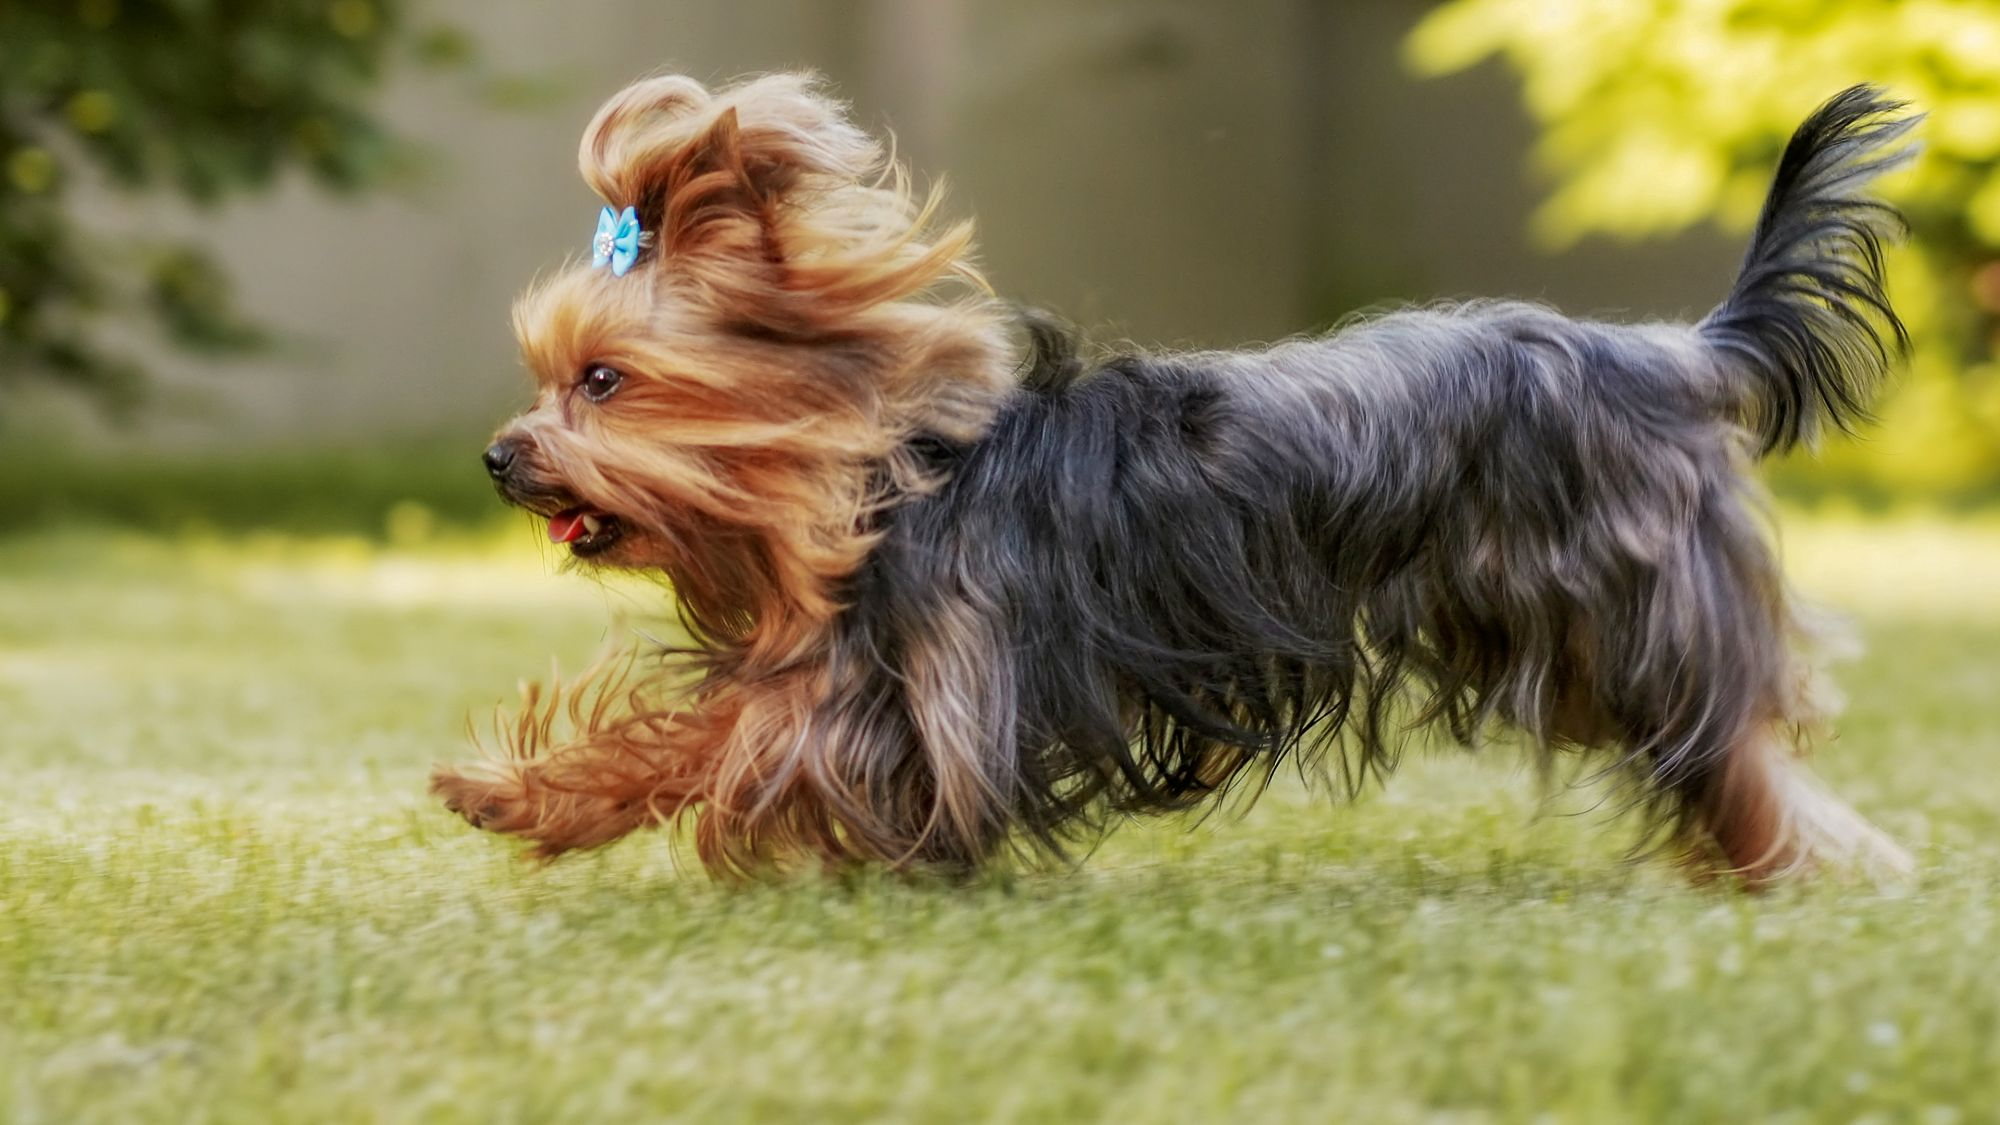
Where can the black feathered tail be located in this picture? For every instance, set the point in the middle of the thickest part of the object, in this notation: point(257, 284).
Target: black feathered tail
point(1809, 319)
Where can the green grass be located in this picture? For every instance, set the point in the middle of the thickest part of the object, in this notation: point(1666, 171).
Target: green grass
point(224, 897)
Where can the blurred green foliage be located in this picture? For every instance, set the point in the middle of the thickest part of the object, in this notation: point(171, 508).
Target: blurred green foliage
point(1659, 114)
point(201, 98)
point(368, 491)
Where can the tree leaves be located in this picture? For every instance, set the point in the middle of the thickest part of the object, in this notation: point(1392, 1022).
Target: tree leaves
point(205, 99)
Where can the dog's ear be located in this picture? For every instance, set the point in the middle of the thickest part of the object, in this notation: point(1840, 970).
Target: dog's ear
point(767, 198)
point(707, 171)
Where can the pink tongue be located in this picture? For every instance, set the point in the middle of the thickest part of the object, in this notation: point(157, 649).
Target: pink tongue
point(566, 526)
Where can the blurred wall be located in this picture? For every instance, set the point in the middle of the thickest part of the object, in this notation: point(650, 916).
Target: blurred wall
point(1162, 171)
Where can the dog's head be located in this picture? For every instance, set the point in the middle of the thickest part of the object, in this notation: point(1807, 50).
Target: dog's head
point(720, 403)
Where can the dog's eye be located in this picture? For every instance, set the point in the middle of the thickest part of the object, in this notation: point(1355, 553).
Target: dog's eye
point(600, 382)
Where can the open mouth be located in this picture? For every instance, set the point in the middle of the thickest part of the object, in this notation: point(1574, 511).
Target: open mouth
point(587, 532)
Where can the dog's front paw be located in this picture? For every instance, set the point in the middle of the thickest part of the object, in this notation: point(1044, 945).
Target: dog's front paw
point(489, 795)
point(556, 810)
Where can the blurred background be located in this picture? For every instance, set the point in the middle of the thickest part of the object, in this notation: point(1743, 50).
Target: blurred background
point(256, 258)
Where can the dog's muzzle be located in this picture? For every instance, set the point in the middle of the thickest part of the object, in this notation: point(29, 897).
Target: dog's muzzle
point(500, 457)
point(510, 461)
point(586, 531)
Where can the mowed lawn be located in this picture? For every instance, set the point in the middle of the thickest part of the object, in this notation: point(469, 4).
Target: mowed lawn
point(224, 896)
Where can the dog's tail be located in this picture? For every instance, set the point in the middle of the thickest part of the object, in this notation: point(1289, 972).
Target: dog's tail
point(1809, 322)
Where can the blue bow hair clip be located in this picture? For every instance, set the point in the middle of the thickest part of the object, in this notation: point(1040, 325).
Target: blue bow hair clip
point(618, 240)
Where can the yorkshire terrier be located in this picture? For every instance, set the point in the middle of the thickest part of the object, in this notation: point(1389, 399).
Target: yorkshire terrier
point(955, 593)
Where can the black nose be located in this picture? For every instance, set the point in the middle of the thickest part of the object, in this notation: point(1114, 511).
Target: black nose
point(499, 457)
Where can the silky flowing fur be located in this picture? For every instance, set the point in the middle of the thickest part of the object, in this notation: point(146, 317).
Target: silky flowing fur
point(955, 596)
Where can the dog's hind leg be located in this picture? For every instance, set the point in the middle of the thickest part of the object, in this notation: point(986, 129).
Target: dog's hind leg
point(1764, 809)
point(1704, 676)
point(1770, 817)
